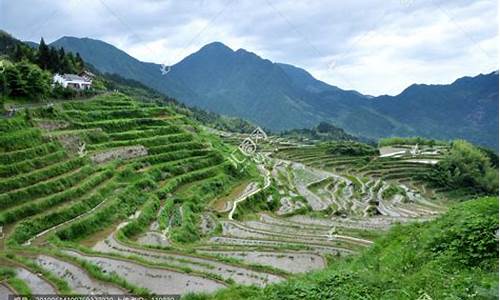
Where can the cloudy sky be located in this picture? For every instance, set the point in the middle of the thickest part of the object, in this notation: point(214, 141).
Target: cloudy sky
point(373, 46)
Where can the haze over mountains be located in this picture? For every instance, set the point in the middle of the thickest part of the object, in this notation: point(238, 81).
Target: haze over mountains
point(280, 96)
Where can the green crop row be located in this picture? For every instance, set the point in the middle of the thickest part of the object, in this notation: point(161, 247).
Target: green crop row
point(21, 139)
point(25, 180)
point(177, 181)
point(120, 124)
point(43, 188)
point(183, 166)
point(173, 147)
point(147, 216)
point(29, 228)
point(28, 154)
point(40, 205)
point(136, 134)
point(171, 156)
point(150, 141)
point(8, 125)
point(92, 104)
point(91, 116)
point(120, 206)
point(31, 164)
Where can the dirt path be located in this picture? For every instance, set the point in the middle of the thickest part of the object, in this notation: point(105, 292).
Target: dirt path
point(252, 189)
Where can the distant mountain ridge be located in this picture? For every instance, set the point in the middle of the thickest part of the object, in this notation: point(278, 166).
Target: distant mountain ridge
point(281, 96)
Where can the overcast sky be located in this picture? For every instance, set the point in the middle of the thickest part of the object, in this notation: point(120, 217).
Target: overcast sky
point(373, 46)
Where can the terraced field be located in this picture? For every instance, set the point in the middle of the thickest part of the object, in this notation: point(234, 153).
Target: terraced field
point(110, 196)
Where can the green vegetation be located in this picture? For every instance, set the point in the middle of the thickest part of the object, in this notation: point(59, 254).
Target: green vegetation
point(25, 80)
point(393, 190)
point(410, 141)
point(27, 73)
point(350, 148)
point(149, 172)
point(19, 286)
point(323, 132)
point(466, 167)
point(453, 257)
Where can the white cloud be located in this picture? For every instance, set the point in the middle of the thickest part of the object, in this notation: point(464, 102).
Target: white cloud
point(376, 47)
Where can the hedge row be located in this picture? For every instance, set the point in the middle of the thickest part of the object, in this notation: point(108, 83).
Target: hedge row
point(21, 139)
point(171, 156)
point(31, 227)
point(121, 206)
point(40, 205)
point(28, 154)
point(54, 170)
point(151, 141)
point(31, 164)
point(120, 125)
point(173, 147)
point(44, 188)
point(96, 115)
point(136, 134)
point(7, 125)
point(177, 181)
point(147, 216)
point(186, 165)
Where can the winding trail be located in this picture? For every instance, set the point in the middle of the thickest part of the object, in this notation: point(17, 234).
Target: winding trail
point(253, 190)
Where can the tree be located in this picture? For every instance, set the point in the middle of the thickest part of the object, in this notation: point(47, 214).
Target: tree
point(466, 166)
point(24, 79)
point(54, 64)
point(43, 55)
point(80, 65)
point(37, 82)
point(14, 85)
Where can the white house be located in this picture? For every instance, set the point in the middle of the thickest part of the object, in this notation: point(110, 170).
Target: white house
point(73, 81)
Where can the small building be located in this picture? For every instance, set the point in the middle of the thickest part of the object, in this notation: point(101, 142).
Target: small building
point(73, 81)
point(87, 75)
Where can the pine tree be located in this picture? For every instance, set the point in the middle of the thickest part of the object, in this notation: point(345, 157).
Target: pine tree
point(54, 62)
point(43, 55)
point(79, 62)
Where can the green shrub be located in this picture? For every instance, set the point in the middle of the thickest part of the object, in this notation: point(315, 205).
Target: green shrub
point(31, 164)
point(350, 148)
point(410, 141)
point(27, 154)
point(39, 175)
point(147, 216)
point(19, 140)
point(30, 227)
point(28, 209)
point(465, 166)
point(43, 188)
point(119, 206)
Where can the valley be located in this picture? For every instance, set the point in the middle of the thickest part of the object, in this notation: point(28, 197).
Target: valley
point(109, 195)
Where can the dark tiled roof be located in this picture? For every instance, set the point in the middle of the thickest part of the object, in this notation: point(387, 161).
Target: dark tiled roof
point(73, 77)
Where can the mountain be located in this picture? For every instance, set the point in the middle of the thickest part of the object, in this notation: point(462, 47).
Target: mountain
point(467, 108)
point(281, 96)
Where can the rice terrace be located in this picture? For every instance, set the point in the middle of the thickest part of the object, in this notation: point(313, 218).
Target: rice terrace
point(111, 185)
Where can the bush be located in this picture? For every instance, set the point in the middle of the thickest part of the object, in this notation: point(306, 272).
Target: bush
point(466, 166)
point(410, 141)
point(350, 149)
point(25, 154)
point(25, 80)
